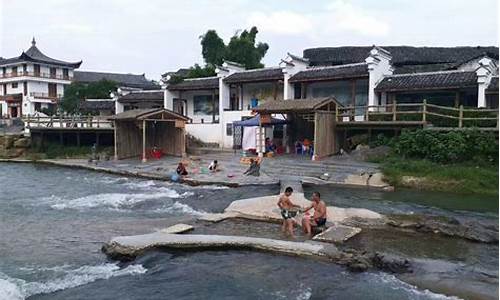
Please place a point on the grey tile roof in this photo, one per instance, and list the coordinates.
(142, 96)
(256, 75)
(408, 69)
(493, 86)
(207, 83)
(295, 105)
(145, 113)
(182, 72)
(428, 81)
(331, 72)
(401, 55)
(97, 105)
(126, 80)
(33, 54)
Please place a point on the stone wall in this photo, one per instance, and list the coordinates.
(12, 146)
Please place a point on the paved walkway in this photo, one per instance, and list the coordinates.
(273, 170)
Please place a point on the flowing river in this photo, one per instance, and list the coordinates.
(53, 222)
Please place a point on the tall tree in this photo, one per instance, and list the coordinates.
(242, 48)
(213, 48)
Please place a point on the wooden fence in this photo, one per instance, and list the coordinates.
(429, 115)
(74, 122)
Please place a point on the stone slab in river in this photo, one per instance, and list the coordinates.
(337, 234)
(177, 228)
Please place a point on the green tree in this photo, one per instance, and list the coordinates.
(213, 48)
(77, 92)
(242, 48)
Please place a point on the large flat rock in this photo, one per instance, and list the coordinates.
(265, 208)
(131, 246)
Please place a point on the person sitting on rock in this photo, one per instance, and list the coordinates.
(319, 216)
(287, 211)
(181, 169)
(254, 169)
(213, 167)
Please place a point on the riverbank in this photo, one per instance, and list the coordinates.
(339, 171)
(464, 178)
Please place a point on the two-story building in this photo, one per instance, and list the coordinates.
(354, 76)
(32, 82)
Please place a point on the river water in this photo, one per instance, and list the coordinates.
(53, 222)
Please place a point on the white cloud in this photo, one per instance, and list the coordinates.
(345, 15)
(283, 22)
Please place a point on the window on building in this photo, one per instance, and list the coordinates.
(52, 90)
(14, 85)
(297, 91)
(65, 73)
(5, 89)
(204, 105)
(14, 71)
(37, 70)
(52, 72)
(25, 68)
(25, 88)
(229, 129)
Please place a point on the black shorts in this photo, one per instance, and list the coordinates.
(287, 214)
(320, 221)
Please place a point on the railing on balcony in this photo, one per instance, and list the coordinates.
(424, 113)
(73, 122)
(35, 74)
(46, 96)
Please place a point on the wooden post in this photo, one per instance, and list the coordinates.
(460, 116)
(424, 111)
(144, 159)
(394, 107)
(116, 140)
(337, 113)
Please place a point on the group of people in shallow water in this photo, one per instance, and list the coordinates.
(289, 211)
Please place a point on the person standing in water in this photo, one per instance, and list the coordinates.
(287, 211)
(319, 216)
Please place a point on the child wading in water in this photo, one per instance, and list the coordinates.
(287, 211)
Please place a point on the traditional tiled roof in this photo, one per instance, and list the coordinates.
(97, 105)
(401, 55)
(331, 73)
(428, 81)
(125, 80)
(142, 96)
(256, 75)
(295, 105)
(182, 72)
(138, 114)
(408, 69)
(33, 54)
(206, 83)
(493, 86)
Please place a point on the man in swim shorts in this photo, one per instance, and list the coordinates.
(319, 216)
(287, 211)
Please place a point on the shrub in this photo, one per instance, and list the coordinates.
(447, 147)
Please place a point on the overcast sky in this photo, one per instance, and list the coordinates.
(154, 36)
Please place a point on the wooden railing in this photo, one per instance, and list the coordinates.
(36, 74)
(74, 122)
(424, 113)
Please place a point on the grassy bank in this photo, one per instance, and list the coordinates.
(466, 177)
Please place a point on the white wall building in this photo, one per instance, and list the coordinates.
(32, 82)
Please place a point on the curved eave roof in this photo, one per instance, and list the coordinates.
(42, 58)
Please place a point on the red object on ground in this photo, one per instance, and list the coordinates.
(280, 150)
(156, 153)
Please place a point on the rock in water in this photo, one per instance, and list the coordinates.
(337, 234)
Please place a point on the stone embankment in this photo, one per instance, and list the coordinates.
(12, 146)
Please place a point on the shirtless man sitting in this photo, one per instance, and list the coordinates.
(319, 217)
(287, 211)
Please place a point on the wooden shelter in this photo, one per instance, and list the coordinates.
(315, 116)
(139, 131)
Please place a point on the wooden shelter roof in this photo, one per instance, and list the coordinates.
(295, 105)
(149, 113)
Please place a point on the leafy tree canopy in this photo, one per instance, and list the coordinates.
(77, 92)
(242, 48)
